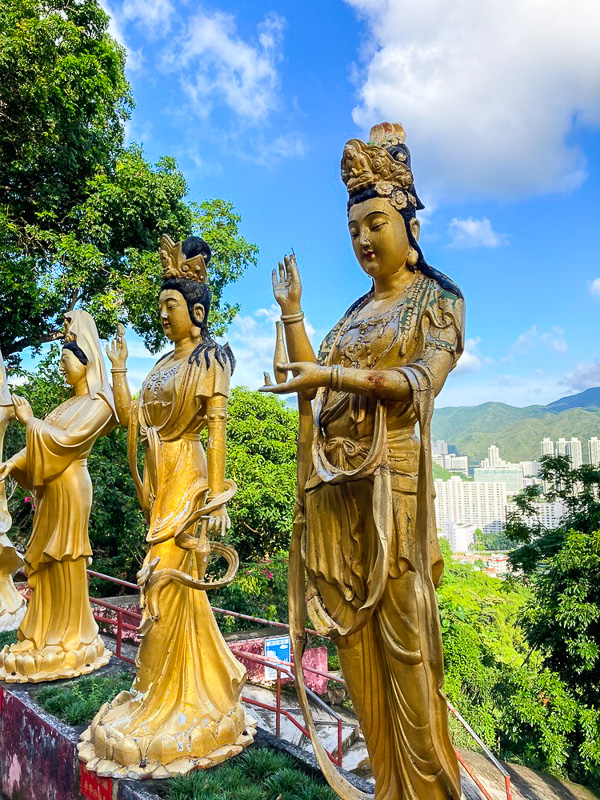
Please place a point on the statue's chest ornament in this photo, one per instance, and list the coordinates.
(158, 380)
(363, 342)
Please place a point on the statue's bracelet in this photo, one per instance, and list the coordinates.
(289, 318)
(335, 379)
(118, 369)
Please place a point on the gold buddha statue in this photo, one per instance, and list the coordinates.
(364, 529)
(184, 709)
(58, 637)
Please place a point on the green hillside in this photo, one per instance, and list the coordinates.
(444, 474)
(517, 431)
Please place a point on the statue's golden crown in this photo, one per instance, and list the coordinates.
(176, 265)
(382, 164)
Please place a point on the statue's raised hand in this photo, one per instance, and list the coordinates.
(117, 349)
(287, 287)
(22, 408)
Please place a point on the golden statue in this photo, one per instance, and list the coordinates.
(364, 528)
(58, 637)
(12, 604)
(184, 709)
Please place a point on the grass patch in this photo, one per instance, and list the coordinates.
(258, 774)
(7, 637)
(78, 701)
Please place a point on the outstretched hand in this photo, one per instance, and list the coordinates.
(22, 408)
(287, 287)
(307, 376)
(117, 349)
(6, 469)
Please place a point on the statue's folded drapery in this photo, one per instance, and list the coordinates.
(59, 636)
(184, 703)
(372, 554)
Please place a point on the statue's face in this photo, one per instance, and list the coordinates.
(378, 237)
(71, 367)
(174, 315)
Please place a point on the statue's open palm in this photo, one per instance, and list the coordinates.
(117, 349)
(287, 287)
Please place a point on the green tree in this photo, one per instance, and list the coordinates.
(261, 458)
(81, 216)
(562, 618)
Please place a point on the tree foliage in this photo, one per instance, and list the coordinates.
(261, 458)
(80, 215)
(513, 696)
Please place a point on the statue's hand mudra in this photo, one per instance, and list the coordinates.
(117, 350)
(287, 287)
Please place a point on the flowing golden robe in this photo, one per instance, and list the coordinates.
(371, 549)
(183, 710)
(58, 637)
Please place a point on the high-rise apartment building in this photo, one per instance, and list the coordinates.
(562, 447)
(511, 476)
(469, 502)
(548, 514)
(439, 448)
(452, 462)
(547, 447)
(575, 452)
(594, 451)
(460, 535)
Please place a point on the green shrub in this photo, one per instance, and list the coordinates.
(78, 701)
(257, 774)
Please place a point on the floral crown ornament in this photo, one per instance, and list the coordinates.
(382, 165)
(176, 265)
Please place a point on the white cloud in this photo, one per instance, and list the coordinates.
(532, 339)
(252, 339)
(584, 376)
(153, 15)
(134, 57)
(594, 287)
(474, 233)
(216, 65)
(470, 361)
(489, 92)
(265, 153)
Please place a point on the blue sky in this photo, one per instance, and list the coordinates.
(501, 105)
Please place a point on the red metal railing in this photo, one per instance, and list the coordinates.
(282, 667)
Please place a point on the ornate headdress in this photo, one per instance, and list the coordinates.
(381, 166)
(176, 265)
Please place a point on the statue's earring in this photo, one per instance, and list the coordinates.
(412, 257)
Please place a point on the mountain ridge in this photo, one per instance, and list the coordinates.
(517, 431)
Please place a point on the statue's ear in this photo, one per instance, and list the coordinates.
(199, 312)
(415, 228)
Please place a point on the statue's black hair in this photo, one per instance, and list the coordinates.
(72, 346)
(408, 214)
(193, 293)
(195, 246)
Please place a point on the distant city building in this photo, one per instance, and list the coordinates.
(493, 460)
(460, 535)
(482, 504)
(548, 514)
(562, 447)
(594, 451)
(511, 476)
(575, 452)
(452, 462)
(439, 448)
(530, 468)
(547, 447)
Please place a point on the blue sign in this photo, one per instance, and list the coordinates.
(277, 648)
